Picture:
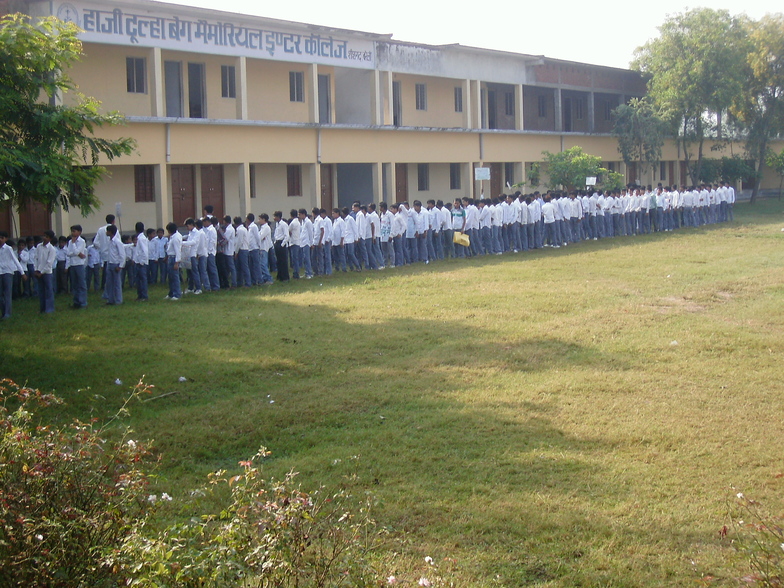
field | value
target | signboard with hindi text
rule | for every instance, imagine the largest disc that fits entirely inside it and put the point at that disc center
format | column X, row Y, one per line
column 104, row 23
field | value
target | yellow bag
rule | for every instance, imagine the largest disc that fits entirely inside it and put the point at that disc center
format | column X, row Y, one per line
column 461, row 239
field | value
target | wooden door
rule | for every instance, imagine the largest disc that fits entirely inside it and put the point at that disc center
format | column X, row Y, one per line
column 34, row 219
column 327, row 192
column 183, row 193
column 5, row 218
column 212, row 188
column 496, row 180
column 401, row 182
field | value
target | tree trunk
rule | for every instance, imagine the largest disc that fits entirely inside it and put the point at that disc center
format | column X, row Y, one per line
column 760, row 162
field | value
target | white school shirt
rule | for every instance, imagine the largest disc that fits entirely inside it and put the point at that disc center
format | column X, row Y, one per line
column 93, row 256
column 191, row 244
column 375, row 225
column 305, row 233
column 117, row 253
column 386, row 225
column 45, row 257
column 326, row 224
column 23, row 257
column 362, row 225
column 101, row 241
column 254, row 239
column 398, row 225
column 265, row 236
column 141, row 252
column 472, row 217
column 338, row 230
column 8, row 261
column 282, row 232
column 230, row 240
column 548, row 212
column 72, row 252
column 242, row 243
column 211, row 237
column 599, row 204
column 174, row 247
column 350, row 234
column 446, row 218
column 295, row 228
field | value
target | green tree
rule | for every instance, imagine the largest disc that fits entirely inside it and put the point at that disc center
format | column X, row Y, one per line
column 570, row 168
column 760, row 107
column 48, row 150
column 696, row 72
column 640, row 133
column 775, row 162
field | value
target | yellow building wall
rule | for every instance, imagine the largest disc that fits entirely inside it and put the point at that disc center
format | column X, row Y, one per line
column 439, row 184
column 217, row 106
column 268, row 91
column 117, row 187
column 101, row 73
column 272, row 188
column 440, row 102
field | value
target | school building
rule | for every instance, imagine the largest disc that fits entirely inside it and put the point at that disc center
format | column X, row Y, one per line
column 251, row 114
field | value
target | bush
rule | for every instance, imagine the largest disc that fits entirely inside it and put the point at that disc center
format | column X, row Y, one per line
column 68, row 498
column 75, row 511
column 758, row 535
column 271, row 534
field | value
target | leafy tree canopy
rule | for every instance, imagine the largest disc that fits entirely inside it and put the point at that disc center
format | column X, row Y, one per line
column 48, row 150
column 640, row 132
column 570, row 168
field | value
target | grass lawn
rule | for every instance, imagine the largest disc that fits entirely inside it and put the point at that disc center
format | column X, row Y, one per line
column 571, row 417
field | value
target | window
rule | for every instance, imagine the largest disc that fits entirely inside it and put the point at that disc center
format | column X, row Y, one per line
column 172, row 74
column 458, row 99
column 423, row 177
column 228, row 82
column 509, row 168
column 135, row 74
column 542, row 106
column 252, row 181
column 579, row 109
column 421, row 96
column 509, row 103
column 197, row 104
column 608, row 108
column 294, row 180
column 297, row 86
column 144, row 182
column 455, row 178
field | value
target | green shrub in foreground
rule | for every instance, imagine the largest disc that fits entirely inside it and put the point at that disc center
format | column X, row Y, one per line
column 75, row 511
column 68, row 498
column 759, row 538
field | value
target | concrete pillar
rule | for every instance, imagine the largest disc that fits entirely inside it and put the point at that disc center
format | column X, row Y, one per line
column 378, row 181
column 591, row 112
column 163, row 195
column 377, row 98
column 197, row 189
column 476, row 104
column 519, row 112
column 558, row 110
column 241, row 83
column 157, row 102
column 467, row 118
column 311, row 87
column 60, row 224
column 243, row 171
column 314, row 193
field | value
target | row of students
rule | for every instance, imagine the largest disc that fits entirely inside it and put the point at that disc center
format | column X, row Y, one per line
column 236, row 252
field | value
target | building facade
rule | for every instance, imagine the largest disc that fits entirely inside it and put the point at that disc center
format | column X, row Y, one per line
column 253, row 115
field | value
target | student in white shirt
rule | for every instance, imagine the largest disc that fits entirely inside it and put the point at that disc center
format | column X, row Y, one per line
column 338, row 237
column 211, row 244
column 45, row 258
column 173, row 258
column 114, row 266
column 326, row 253
column 225, row 256
column 242, row 253
column 281, row 239
column 9, row 264
column 305, row 242
column 141, row 257
column 76, row 262
column 191, row 245
column 265, row 238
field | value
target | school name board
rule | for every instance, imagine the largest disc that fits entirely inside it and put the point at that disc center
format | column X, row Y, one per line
column 145, row 29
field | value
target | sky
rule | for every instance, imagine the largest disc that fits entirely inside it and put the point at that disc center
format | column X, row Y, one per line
column 572, row 30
